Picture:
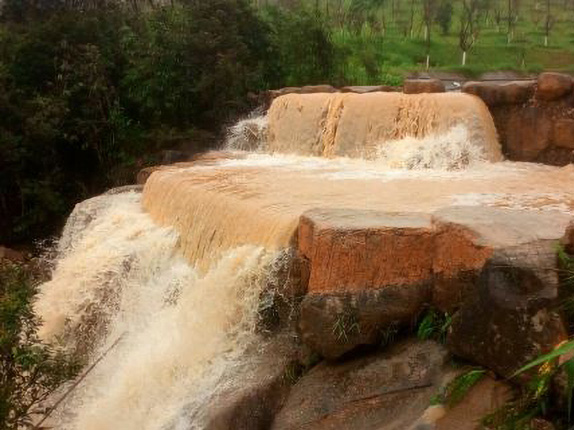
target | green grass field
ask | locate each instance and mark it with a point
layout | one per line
(371, 57)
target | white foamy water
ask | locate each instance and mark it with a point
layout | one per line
(179, 330)
(249, 134)
(452, 150)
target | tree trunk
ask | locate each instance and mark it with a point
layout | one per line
(464, 58)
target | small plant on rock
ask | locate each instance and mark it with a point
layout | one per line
(434, 325)
(345, 324)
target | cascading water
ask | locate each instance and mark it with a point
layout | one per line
(175, 275)
(180, 329)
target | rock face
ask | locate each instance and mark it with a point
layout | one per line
(534, 120)
(341, 246)
(530, 133)
(564, 133)
(11, 254)
(370, 272)
(552, 86)
(388, 390)
(418, 86)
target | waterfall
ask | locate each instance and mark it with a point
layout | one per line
(171, 278)
(355, 125)
(180, 328)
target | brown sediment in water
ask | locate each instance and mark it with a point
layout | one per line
(354, 125)
(259, 199)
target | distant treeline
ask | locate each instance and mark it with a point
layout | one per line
(90, 90)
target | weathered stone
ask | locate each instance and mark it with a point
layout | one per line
(529, 132)
(564, 133)
(354, 250)
(509, 321)
(418, 86)
(367, 89)
(333, 324)
(388, 390)
(466, 237)
(495, 94)
(552, 86)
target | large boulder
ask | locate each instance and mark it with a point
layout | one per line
(552, 86)
(496, 94)
(418, 86)
(385, 390)
(510, 319)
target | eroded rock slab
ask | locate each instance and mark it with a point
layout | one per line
(388, 390)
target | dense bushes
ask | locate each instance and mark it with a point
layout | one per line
(84, 95)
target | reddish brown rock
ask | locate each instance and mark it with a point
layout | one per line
(457, 263)
(552, 86)
(388, 390)
(495, 94)
(353, 250)
(564, 133)
(418, 86)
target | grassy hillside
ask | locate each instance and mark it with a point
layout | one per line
(384, 40)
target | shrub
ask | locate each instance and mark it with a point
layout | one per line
(29, 370)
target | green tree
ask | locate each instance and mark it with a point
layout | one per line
(444, 16)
